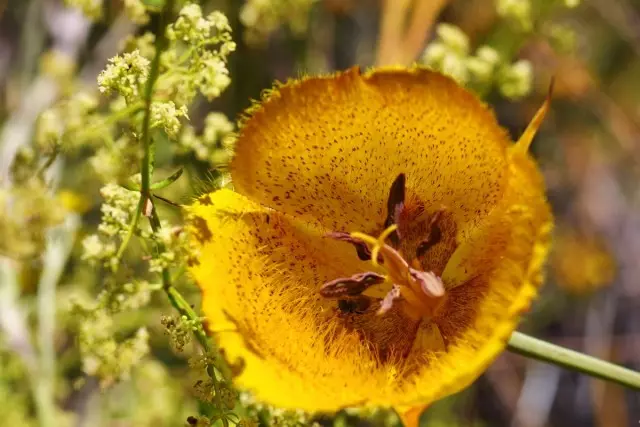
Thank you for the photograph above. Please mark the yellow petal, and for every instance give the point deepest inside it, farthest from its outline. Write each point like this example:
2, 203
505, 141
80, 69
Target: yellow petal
328, 148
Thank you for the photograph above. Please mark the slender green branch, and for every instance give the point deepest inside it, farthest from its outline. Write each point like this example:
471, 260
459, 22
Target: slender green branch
154, 72
551, 353
132, 228
176, 299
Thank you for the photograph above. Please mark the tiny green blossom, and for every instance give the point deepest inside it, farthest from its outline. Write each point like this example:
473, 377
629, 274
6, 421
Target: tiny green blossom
143, 44
179, 329
97, 249
125, 75
114, 162
64, 125
214, 76
91, 8
136, 11
215, 145
117, 209
129, 296
561, 37
454, 66
261, 17
102, 356
515, 81
167, 116
517, 12
176, 248
207, 43
454, 38
248, 422
481, 71
483, 65
199, 421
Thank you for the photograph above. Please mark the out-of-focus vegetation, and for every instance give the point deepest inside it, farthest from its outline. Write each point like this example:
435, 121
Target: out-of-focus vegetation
93, 327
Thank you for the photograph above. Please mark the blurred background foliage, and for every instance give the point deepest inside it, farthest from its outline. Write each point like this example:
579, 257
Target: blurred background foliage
84, 323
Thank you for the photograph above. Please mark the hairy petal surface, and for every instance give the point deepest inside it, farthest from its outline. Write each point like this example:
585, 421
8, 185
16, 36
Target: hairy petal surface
328, 148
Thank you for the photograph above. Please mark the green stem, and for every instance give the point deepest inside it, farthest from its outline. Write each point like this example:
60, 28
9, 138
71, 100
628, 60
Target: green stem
154, 72
132, 228
176, 299
551, 353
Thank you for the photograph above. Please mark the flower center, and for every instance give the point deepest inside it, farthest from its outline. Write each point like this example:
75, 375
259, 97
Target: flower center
418, 293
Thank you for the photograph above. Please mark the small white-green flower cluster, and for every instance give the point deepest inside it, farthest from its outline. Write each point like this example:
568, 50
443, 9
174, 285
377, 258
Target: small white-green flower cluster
167, 116
175, 245
91, 8
143, 43
263, 17
450, 54
65, 124
125, 74
27, 211
276, 416
561, 36
114, 161
132, 295
117, 210
136, 11
517, 12
192, 62
216, 143
515, 81
103, 356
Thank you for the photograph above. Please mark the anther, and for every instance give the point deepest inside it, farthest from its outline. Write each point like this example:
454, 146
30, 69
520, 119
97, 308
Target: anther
395, 205
434, 234
351, 286
364, 254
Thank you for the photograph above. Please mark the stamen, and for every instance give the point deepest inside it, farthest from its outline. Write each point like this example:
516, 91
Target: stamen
434, 234
351, 286
364, 254
395, 206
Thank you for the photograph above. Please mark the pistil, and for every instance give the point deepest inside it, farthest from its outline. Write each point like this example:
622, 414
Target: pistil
419, 292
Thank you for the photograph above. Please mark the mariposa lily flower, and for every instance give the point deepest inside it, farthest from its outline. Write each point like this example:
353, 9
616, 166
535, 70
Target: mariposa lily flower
383, 236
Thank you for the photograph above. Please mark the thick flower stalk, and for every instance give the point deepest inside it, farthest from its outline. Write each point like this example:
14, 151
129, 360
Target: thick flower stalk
384, 236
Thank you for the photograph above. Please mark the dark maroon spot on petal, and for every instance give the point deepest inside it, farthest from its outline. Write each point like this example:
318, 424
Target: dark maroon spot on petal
387, 301
430, 284
395, 205
202, 232
205, 200
350, 286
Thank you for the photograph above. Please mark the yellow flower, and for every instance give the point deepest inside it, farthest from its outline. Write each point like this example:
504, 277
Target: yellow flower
580, 263
383, 237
